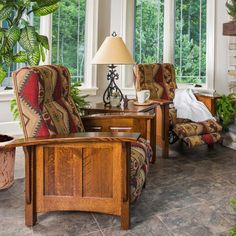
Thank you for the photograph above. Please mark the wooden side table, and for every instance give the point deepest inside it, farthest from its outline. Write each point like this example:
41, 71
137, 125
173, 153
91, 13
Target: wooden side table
159, 126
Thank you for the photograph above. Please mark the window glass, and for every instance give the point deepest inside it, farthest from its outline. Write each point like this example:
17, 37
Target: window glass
68, 33
149, 22
190, 41
190, 37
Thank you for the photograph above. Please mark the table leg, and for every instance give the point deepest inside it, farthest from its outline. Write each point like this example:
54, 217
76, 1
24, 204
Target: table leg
162, 129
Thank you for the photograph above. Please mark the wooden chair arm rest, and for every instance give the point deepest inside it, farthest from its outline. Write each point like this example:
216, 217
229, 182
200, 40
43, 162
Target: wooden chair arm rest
162, 102
76, 137
120, 115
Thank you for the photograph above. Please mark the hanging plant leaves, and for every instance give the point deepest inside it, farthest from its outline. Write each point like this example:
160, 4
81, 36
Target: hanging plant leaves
20, 57
34, 57
3, 74
6, 12
7, 58
42, 3
43, 40
28, 38
45, 10
13, 35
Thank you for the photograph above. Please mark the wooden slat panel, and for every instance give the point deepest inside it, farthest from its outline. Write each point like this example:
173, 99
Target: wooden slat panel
49, 171
98, 172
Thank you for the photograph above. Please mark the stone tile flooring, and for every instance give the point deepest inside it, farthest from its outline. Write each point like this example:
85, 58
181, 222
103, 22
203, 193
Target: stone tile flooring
187, 194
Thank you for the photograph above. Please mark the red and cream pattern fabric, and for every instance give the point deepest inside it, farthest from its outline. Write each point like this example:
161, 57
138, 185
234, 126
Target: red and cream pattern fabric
197, 140
141, 154
184, 130
44, 102
158, 78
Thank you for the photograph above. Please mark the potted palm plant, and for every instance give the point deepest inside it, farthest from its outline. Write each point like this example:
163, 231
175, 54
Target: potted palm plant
16, 31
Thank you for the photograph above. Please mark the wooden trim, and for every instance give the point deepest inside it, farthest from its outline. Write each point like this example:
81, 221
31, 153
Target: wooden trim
77, 137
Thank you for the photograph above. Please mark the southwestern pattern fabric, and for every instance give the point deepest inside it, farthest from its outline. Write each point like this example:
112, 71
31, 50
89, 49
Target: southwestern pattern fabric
197, 140
141, 155
44, 102
158, 78
192, 129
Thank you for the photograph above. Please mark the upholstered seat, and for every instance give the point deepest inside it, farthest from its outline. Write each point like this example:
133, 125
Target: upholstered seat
160, 80
46, 108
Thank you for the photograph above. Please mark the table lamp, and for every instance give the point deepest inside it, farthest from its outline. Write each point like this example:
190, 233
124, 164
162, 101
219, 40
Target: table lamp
112, 52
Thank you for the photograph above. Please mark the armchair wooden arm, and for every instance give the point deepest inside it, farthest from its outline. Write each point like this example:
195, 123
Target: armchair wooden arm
75, 138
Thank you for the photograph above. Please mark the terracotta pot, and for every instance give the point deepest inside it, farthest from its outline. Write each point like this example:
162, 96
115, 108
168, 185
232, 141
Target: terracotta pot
7, 162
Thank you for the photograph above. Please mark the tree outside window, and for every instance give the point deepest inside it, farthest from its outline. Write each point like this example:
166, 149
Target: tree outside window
190, 37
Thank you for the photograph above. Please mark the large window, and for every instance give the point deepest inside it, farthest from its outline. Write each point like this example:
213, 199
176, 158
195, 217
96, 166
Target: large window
190, 41
149, 31
68, 37
189, 54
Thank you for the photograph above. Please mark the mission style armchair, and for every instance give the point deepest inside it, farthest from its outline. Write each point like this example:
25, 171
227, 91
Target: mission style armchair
67, 168
160, 80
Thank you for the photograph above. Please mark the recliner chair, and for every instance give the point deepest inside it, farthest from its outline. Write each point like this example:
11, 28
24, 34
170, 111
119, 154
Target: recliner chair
161, 81
67, 168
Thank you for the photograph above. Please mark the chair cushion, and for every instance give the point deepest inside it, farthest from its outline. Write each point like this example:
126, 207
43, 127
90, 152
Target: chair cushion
184, 130
46, 111
197, 140
141, 154
158, 78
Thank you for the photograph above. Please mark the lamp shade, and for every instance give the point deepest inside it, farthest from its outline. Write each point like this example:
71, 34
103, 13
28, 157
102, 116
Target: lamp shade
113, 51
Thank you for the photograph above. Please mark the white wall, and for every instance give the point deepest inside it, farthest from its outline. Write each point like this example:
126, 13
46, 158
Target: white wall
221, 49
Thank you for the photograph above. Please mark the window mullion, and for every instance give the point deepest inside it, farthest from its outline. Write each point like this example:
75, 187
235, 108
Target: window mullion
169, 28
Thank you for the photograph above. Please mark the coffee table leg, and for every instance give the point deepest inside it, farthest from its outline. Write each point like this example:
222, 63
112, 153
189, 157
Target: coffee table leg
162, 129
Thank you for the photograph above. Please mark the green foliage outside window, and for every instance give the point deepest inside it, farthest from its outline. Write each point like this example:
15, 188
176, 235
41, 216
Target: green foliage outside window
190, 37
68, 37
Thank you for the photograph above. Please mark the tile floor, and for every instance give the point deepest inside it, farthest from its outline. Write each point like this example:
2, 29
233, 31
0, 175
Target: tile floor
187, 194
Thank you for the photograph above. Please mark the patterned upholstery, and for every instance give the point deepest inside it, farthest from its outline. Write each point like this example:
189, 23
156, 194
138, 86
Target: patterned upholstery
160, 80
184, 130
197, 140
44, 103
141, 154
46, 108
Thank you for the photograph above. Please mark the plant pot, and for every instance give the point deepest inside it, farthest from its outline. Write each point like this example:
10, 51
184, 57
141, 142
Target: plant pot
229, 28
7, 162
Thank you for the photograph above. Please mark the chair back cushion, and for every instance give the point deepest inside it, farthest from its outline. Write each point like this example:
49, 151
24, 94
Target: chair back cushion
44, 101
158, 78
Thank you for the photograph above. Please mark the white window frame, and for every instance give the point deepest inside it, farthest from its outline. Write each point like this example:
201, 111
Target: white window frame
89, 86
127, 19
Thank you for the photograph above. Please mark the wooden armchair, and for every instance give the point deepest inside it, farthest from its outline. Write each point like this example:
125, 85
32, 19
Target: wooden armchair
160, 80
65, 167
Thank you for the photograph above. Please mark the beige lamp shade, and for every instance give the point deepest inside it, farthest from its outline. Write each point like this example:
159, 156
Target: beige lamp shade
113, 51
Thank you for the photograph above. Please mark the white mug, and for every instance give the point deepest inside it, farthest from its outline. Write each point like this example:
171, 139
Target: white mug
143, 96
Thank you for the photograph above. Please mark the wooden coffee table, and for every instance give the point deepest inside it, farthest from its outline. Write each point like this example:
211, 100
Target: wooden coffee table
159, 126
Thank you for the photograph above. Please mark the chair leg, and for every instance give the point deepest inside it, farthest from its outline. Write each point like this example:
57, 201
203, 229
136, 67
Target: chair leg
30, 182
125, 216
